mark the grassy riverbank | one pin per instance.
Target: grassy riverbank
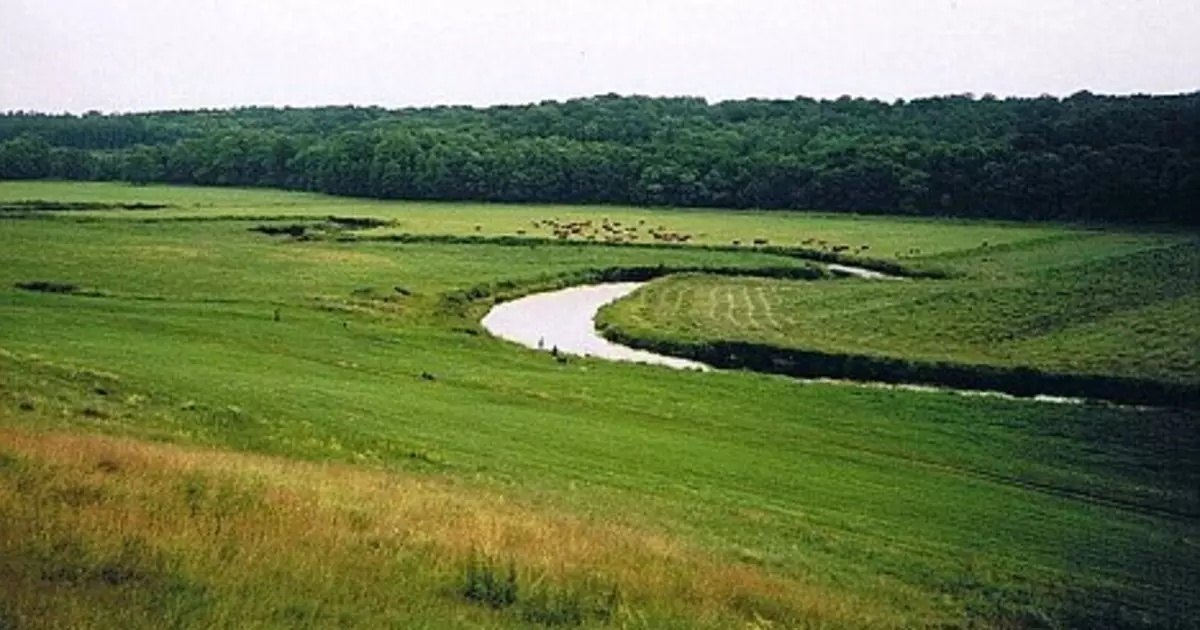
(220, 428)
(1089, 314)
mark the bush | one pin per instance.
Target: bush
(44, 286)
(492, 583)
(294, 230)
(485, 582)
(1018, 381)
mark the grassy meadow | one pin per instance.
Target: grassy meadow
(206, 426)
(1089, 303)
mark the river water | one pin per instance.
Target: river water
(565, 320)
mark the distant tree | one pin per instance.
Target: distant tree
(1087, 157)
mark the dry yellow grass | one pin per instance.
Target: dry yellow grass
(233, 520)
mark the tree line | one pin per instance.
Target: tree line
(1082, 158)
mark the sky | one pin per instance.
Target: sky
(137, 55)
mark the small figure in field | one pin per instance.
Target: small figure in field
(554, 351)
(542, 343)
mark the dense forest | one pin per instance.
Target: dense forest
(1082, 158)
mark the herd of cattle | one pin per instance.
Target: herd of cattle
(609, 231)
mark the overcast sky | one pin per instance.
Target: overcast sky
(123, 55)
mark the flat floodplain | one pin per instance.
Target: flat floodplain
(221, 427)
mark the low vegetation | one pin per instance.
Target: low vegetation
(246, 430)
(1092, 314)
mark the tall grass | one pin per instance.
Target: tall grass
(200, 537)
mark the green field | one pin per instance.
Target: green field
(885, 237)
(213, 427)
(1089, 303)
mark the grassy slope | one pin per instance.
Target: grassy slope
(896, 509)
(1092, 303)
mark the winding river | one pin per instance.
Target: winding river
(564, 322)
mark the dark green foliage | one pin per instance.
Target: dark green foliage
(357, 223)
(889, 267)
(1019, 381)
(62, 288)
(457, 301)
(294, 230)
(314, 230)
(492, 583)
(1085, 158)
(41, 205)
(486, 582)
(45, 286)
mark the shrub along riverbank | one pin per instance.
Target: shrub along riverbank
(1101, 316)
(1019, 381)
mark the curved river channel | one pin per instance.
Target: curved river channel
(564, 321)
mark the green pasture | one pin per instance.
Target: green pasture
(884, 237)
(906, 509)
(1108, 305)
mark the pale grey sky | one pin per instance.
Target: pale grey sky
(122, 55)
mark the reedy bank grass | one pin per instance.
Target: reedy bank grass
(893, 509)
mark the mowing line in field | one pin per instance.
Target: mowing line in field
(730, 307)
(760, 293)
(751, 314)
(713, 300)
(677, 306)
